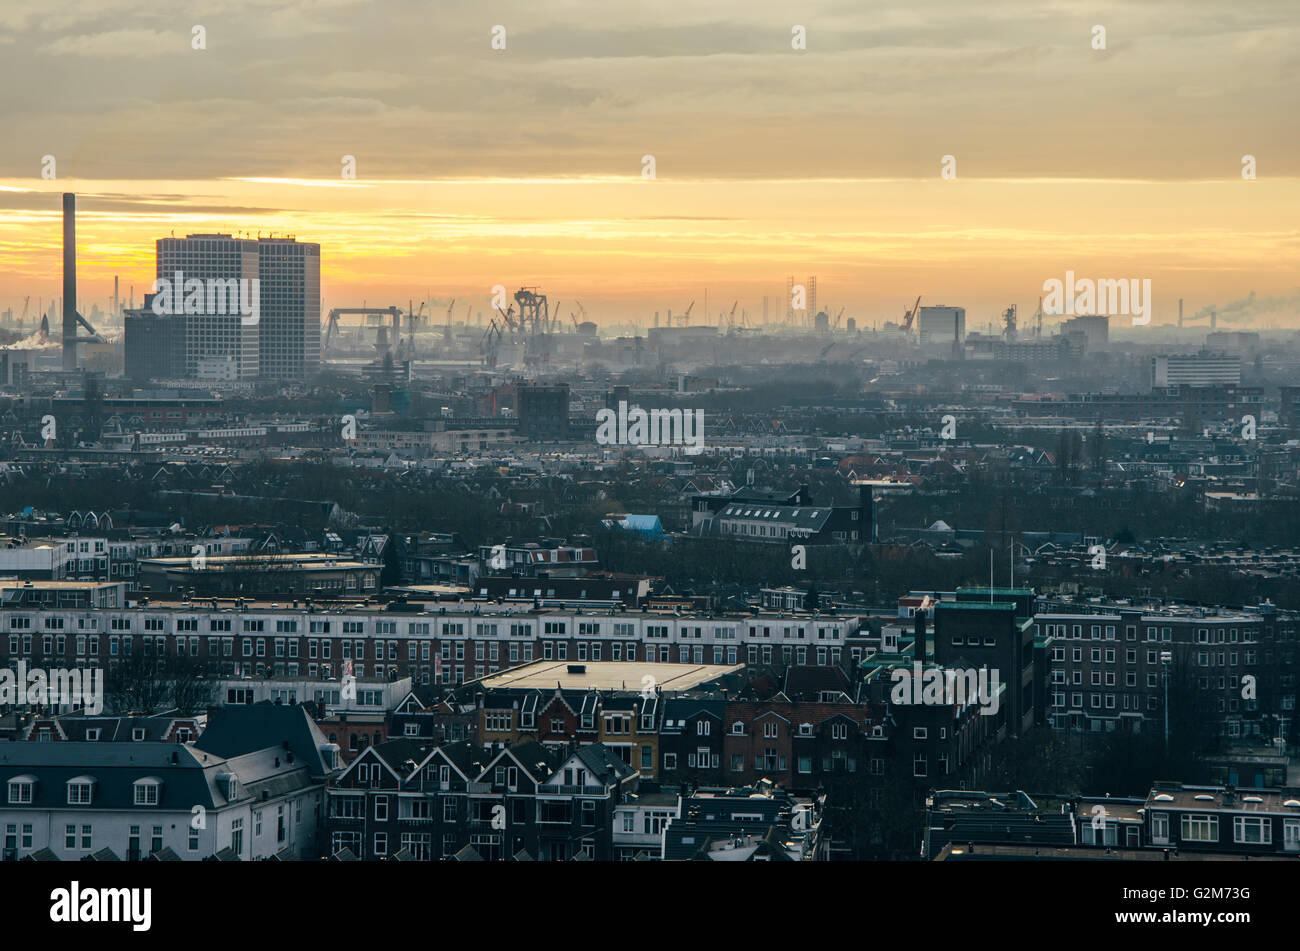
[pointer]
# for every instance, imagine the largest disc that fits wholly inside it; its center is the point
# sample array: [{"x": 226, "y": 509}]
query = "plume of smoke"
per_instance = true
[
  {"x": 1252, "y": 310},
  {"x": 40, "y": 340}
]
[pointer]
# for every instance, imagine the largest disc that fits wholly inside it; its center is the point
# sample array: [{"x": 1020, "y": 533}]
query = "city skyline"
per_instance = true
[{"x": 523, "y": 166}]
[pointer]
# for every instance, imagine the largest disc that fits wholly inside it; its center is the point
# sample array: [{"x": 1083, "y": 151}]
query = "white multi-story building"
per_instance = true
[
  {"x": 1195, "y": 369},
  {"x": 251, "y": 790}
]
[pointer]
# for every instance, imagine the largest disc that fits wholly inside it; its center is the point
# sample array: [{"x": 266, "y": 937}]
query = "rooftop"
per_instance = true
[{"x": 607, "y": 675}]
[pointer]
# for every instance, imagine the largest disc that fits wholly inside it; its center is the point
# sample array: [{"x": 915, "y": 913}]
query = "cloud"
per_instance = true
[{"x": 132, "y": 43}]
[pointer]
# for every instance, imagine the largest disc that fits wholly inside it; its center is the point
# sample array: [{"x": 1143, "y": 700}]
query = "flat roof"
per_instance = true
[
  {"x": 607, "y": 675},
  {"x": 17, "y": 584},
  {"x": 975, "y": 605}
]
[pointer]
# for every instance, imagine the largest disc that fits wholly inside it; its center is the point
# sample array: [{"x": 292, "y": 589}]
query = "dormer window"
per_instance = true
[
  {"x": 21, "y": 789},
  {"x": 137, "y": 733},
  {"x": 738, "y": 728},
  {"x": 148, "y": 791},
  {"x": 80, "y": 790},
  {"x": 92, "y": 735}
]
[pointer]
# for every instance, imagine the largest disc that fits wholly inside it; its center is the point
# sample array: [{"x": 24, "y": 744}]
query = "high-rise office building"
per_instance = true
[
  {"x": 281, "y": 339},
  {"x": 289, "y": 331},
  {"x": 219, "y": 342}
]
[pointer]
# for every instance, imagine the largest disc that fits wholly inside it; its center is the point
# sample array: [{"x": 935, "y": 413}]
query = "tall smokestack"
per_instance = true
[
  {"x": 69, "y": 281},
  {"x": 1180, "y": 312},
  {"x": 117, "y": 309}
]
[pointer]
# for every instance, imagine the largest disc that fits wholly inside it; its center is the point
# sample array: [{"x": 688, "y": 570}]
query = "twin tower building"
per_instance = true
[{"x": 200, "y": 323}]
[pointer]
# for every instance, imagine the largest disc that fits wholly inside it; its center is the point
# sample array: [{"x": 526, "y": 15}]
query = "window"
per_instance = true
[
  {"x": 1200, "y": 828},
  {"x": 1252, "y": 830}
]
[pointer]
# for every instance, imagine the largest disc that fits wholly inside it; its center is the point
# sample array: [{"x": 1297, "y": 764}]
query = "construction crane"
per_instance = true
[
  {"x": 731, "y": 317},
  {"x": 23, "y": 319},
  {"x": 1038, "y": 316},
  {"x": 489, "y": 343},
  {"x": 414, "y": 315},
  {"x": 553, "y": 318},
  {"x": 909, "y": 317},
  {"x": 821, "y": 358},
  {"x": 446, "y": 334},
  {"x": 836, "y": 322},
  {"x": 686, "y": 316},
  {"x": 1009, "y": 322}
]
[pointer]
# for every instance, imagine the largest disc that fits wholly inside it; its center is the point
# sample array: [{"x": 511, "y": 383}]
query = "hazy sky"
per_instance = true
[{"x": 478, "y": 166}]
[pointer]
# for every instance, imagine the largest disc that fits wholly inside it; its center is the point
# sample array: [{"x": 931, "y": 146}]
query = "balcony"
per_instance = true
[{"x": 599, "y": 791}]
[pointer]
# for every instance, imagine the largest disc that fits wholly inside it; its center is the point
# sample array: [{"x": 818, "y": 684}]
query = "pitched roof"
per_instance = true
[
  {"x": 604, "y": 765},
  {"x": 237, "y": 729}
]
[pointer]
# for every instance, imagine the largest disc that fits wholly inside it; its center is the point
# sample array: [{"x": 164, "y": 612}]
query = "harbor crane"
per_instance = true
[
  {"x": 909, "y": 317},
  {"x": 489, "y": 343}
]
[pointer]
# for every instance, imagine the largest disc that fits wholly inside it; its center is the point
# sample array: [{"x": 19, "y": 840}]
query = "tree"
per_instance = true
[{"x": 145, "y": 685}]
